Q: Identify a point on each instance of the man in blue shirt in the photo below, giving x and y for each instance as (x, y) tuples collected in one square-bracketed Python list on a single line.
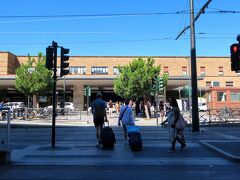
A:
[(99, 113), (1, 104), (126, 117)]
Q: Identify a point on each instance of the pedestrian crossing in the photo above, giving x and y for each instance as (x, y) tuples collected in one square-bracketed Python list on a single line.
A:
[(77, 147)]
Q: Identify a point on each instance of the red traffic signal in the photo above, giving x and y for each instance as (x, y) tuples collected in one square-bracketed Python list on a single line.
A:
[(235, 57)]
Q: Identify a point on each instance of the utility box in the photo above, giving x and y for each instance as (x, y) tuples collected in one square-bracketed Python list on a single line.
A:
[(5, 153)]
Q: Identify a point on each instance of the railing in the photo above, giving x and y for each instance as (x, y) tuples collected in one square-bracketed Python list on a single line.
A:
[(215, 116), (44, 114), (209, 117)]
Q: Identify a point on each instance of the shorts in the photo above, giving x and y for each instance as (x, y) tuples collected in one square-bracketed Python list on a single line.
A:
[(98, 121)]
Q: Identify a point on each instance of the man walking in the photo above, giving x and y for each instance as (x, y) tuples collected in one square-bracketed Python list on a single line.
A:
[(99, 113), (126, 117)]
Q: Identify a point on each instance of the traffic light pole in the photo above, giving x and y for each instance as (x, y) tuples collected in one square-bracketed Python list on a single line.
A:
[(195, 114), (55, 46)]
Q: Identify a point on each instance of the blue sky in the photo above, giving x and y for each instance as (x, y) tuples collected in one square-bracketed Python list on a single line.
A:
[(150, 35)]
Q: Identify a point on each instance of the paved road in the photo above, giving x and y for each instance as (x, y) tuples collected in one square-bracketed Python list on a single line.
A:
[(76, 156)]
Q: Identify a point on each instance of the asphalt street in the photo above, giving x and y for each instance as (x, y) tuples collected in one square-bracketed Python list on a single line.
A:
[(77, 157)]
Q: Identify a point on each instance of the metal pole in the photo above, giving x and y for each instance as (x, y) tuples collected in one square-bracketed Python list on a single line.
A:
[(156, 107), (87, 99), (64, 89), (189, 83), (179, 93), (8, 130), (195, 115), (54, 44)]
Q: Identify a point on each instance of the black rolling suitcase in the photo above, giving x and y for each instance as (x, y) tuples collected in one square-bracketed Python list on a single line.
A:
[(135, 141), (107, 138)]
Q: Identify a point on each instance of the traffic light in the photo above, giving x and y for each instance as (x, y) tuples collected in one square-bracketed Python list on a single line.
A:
[(85, 91), (64, 63), (157, 84), (89, 91), (160, 84), (235, 57), (49, 58)]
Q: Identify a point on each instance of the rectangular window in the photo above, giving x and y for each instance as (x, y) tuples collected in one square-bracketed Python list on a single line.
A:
[(202, 71), (220, 71), (184, 71), (235, 97), (215, 84), (115, 71), (99, 70), (229, 83), (165, 69), (221, 96), (77, 70), (209, 97), (208, 83)]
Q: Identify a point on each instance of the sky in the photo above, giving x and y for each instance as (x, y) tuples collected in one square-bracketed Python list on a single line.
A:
[(117, 27)]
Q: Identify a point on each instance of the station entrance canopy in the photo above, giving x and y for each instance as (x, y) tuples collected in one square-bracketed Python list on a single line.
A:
[(7, 82)]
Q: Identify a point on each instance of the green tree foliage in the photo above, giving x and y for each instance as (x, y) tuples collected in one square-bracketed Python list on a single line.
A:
[(165, 79), (33, 78), (135, 79)]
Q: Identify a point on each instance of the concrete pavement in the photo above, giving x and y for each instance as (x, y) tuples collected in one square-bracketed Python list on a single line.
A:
[(77, 155)]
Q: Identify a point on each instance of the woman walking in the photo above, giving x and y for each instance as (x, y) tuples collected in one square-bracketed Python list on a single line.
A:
[(174, 133)]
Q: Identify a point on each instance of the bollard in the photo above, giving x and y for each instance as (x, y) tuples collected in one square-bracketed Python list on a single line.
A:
[(5, 153)]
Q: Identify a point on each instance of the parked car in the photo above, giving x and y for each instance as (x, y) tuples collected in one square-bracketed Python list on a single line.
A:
[(14, 105), (67, 105), (16, 109)]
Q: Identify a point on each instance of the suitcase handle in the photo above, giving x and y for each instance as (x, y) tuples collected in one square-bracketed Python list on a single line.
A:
[(107, 124)]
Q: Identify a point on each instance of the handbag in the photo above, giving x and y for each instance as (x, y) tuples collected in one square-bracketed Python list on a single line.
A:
[(181, 123)]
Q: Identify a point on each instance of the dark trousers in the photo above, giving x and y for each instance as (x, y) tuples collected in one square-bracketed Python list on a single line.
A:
[(180, 138)]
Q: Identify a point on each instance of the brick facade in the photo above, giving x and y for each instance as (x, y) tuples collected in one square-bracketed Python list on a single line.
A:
[(211, 69)]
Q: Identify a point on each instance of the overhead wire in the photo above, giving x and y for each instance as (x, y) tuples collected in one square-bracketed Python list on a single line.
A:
[(60, 17), (118, 41)]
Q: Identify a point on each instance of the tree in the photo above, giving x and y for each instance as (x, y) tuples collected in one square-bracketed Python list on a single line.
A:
[(135, 80), (33, 78), (165, 82)]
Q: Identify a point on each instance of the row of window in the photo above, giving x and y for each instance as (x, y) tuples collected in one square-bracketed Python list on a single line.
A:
[(94, 70), (202, 70), (217, 83), (221, 96), (104, 70)]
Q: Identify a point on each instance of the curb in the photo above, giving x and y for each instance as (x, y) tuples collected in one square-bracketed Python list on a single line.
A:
[(219, 151), (42, 125)]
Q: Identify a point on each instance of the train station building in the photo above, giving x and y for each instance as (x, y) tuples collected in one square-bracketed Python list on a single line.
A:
[(215, 78)]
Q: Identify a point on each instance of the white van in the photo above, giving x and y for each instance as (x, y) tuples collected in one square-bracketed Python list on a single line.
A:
[(202, 106)]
